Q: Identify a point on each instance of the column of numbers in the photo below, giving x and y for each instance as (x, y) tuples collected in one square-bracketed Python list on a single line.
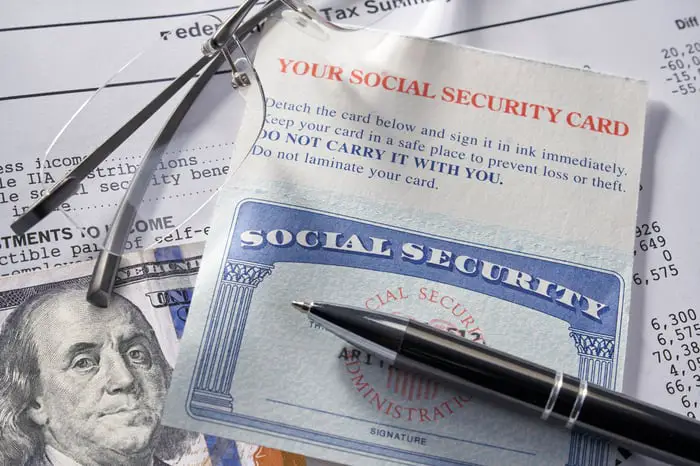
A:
[(678, 351), (681, 68), (651, 241)]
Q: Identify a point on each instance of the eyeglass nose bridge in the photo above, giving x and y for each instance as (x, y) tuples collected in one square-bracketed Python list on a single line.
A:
[(227, 29), (303, 12), (300, 14)]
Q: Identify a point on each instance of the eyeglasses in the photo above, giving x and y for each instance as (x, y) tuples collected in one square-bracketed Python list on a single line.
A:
[(195, 117)]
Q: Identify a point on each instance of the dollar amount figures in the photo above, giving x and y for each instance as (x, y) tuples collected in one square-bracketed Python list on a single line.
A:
[(658, 261), (681, 68), (677, 348)]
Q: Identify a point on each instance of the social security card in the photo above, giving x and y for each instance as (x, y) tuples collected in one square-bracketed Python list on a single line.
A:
[(490, 196)]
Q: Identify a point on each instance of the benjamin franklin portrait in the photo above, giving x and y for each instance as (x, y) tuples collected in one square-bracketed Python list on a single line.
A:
[(81, 385)]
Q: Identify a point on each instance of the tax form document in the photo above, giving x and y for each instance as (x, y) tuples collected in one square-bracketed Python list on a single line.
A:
[(658, 42), (437, 191), (68, 50)]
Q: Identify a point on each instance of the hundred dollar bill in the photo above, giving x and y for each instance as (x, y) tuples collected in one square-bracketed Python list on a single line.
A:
[(84, 386), (81, 385), (491, 196)]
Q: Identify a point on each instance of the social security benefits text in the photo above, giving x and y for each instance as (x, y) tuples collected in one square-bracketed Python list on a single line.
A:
[(479, 100), (419, 254)]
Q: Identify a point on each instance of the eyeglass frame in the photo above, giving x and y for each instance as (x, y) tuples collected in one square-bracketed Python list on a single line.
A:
[(215, 50)]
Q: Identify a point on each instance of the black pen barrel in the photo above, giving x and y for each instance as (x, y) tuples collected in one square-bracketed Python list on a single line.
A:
[(478, 369), (646, 429), (475, 367)]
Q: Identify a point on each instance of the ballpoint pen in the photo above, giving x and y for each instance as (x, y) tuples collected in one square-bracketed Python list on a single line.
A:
[(465, 365)]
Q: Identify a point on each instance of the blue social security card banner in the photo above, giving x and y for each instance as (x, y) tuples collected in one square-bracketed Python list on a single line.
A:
[(488, 195)]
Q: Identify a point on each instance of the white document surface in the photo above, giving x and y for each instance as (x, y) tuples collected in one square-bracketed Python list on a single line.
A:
[(657, 41), (420, 190), (52, 49)]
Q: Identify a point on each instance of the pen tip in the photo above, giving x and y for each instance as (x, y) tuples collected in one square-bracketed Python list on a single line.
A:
[(302, 306)]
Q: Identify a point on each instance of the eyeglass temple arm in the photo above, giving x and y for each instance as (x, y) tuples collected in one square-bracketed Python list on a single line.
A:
[(66, 187), (107, 264), (105, 270)]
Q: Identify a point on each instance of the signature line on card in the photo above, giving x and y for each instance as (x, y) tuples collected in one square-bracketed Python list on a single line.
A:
[(498, 447)]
